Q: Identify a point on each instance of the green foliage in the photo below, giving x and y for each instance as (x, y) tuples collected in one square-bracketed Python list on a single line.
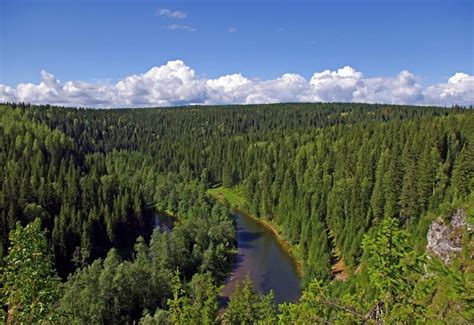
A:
[(388, 260), (117, 291), (394, 285), (30, 287), (229, 196), (248, 307), (311, 308), (326, 174), (197, 306), (448, 294), (179, 306), (91, 173), (393, 271), (114, 291)]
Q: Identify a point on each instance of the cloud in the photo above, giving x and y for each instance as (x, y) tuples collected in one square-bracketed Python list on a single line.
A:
[(171, 13), (283, 89), (179, 27), (236, 89), (175, 83), (337, 85), (232, 29), (229, 89), (170, 84), (402, 89), (458, 90)]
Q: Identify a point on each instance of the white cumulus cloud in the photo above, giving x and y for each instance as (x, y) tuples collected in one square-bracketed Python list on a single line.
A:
[(458, 90), (172, 84), (229, 89), (401, 89), (337, 85), (175, 83)]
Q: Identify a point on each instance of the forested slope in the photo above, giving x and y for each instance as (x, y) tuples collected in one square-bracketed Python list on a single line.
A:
[(328, 187), (328, 174)]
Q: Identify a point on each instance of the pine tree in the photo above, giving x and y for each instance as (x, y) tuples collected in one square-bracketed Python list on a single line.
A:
[(409, 193), (378, 195), (463, 172), (392, 185)]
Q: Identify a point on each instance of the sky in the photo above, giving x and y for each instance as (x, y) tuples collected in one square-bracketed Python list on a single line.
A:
[(141, 53)]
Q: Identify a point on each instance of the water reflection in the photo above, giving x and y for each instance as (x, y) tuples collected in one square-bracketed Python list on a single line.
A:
[(264, 260), (245, 238), (163, 221)]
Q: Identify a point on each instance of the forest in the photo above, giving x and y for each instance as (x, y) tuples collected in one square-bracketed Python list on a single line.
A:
[(354, 184)]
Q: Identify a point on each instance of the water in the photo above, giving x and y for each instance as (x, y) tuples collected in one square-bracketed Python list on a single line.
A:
[(260, 256), (266, 262), (164, 221)]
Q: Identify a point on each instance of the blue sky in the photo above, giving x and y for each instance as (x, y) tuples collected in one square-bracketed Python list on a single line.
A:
[(93, 41)]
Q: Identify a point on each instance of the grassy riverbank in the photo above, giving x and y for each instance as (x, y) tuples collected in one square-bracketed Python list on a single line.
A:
[(238, 203), (229, 196)]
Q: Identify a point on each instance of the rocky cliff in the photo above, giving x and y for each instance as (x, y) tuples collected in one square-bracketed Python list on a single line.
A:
[(445, 240)]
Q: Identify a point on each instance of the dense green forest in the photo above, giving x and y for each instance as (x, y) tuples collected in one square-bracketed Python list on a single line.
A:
[(356, 184)]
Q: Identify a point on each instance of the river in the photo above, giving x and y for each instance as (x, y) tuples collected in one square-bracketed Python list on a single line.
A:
[(261, 256), (164, 221)]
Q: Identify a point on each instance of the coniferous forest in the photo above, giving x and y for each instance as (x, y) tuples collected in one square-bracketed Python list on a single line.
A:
[(353, 185)]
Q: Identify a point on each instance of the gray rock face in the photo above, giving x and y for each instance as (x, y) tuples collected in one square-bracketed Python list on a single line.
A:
[(444, 241)]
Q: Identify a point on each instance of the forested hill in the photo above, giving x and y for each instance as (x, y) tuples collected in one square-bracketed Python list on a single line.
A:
[(327, 174)]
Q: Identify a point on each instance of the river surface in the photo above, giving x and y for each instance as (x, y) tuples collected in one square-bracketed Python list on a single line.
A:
[(263, 258), (259, 255), (163, 221)]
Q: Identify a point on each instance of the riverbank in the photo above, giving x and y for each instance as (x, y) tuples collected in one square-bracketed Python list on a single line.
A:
[(238, 204)]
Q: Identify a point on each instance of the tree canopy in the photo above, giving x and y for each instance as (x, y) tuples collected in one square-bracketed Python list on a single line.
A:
[(357, 184)]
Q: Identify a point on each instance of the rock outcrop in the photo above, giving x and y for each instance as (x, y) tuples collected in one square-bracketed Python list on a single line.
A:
[(444, 240)]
